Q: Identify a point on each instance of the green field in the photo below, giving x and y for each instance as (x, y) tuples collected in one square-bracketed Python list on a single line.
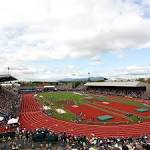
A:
[(58, 100)]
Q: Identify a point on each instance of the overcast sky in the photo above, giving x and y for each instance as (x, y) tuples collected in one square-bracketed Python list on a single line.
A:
[(55, 39)]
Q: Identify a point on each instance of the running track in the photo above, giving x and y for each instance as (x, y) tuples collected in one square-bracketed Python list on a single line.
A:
[(32, 117)]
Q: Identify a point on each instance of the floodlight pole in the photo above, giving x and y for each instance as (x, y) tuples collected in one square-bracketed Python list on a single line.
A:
[(8, 70), (88, 76)]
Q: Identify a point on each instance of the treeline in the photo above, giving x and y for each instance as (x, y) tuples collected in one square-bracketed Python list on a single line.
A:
[(39, 83), (36, 83), (144, 80)]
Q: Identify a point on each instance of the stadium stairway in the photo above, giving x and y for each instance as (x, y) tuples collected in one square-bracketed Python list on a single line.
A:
[(32, 117)]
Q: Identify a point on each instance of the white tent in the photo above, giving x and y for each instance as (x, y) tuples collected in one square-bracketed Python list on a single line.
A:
[(13, 120), (1, 118)]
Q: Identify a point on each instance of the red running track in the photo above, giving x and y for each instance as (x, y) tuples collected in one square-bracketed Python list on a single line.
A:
[(32, 117), (125, 108), (91, 113)]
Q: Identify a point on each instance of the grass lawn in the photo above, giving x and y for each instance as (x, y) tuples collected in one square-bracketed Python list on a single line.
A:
[(63, 96), (57, 100), (134, 118)]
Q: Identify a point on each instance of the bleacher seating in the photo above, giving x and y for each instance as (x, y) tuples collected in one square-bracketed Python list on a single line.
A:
[(9, 101)]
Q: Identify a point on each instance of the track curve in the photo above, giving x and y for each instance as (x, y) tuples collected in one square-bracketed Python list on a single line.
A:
[(32, 117)]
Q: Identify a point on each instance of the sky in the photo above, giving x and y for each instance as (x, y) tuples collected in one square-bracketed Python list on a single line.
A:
[(49, 40)]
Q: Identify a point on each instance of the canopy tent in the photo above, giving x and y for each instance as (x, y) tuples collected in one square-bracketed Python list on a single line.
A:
[(1, 118), (142, 110), (46, 108), (104, 118), (13, 120)]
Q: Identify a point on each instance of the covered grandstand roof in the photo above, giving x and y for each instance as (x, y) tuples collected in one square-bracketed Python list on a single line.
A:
[(5, 78), (117, 84)]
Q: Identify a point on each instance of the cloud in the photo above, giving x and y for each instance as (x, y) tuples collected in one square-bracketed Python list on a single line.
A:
[(132, 71), (95, 61), (43, 72), (35, 30)]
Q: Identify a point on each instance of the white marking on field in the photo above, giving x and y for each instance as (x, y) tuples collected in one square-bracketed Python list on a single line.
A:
[(89, 97), (77, 93), (41, 96), (106, 103), (60, 111), (75, 106)]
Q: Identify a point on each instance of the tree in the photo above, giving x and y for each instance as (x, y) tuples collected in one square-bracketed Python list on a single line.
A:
[(148, 81), (141, 80)]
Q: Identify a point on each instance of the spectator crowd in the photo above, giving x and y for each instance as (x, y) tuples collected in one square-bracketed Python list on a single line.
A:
[(48, 140), (9, 103)]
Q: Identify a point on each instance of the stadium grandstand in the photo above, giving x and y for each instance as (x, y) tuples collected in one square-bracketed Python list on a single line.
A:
[(9, 103), (64, 86), (132, 89), (26, 125)]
